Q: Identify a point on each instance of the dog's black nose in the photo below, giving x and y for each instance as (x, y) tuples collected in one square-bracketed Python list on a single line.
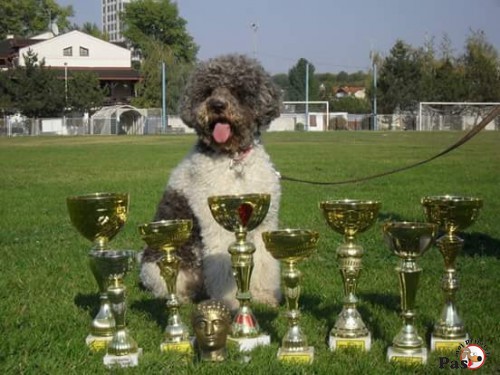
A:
[(217, 105)]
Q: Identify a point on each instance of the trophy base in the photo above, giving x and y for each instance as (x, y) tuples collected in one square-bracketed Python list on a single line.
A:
[(305, 356), (185, 347), (412, 357), (128, 360), (361, 343), (247, 344), (439, 344), (98, 343)]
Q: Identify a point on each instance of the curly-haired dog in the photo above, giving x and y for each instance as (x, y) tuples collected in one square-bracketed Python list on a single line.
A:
[(227, 101)]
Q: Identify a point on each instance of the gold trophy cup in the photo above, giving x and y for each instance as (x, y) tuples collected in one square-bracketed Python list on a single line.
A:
[(166, 236), (291, 246), (350, 217), (122, 350), (452, 214), (409, 241), (241, 214), (99, 217)]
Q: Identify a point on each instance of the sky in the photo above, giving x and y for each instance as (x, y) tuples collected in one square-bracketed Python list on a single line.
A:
[(333, 35)]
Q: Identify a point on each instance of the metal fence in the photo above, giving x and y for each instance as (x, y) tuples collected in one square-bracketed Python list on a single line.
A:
[(150, 122)]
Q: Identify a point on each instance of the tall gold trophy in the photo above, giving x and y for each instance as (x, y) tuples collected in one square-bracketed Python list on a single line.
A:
[(241, 214), (452, 214), (122, 350), (291, 246), (99, 217), (350, 217), (409, 241), (167, 236)]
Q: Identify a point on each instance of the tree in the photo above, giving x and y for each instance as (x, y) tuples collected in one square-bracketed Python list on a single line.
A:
[(342, 77), (350, 104), (357, 78), (398, 87), (149, 90), (281, 80), (84, 92), (297, 81), (449, 82), (149, 21), (28, 17), (7, 90), (156, 30), (482, 69), (425, 59), (37, 92)]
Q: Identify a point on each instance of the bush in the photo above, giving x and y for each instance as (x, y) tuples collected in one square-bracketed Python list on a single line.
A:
[(299, 127)]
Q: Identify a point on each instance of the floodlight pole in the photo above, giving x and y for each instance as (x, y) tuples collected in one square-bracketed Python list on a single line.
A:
[(307, 97), (375, 124), (255, 27), (65, 93), (163, 99)]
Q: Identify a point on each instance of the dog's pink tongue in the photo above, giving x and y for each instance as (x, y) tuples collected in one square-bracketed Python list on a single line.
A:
[(221, 132)]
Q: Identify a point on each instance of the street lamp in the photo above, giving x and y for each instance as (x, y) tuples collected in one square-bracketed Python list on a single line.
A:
[(66, 83)]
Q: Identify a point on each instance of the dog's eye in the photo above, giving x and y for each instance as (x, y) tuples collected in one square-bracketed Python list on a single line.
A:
[(207, 93), (242, 95)]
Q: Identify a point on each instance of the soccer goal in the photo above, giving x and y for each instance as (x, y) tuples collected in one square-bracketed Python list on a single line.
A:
[(454, 115), (307, 115)]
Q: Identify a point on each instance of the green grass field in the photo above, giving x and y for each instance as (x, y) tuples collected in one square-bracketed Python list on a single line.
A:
[(48, 295)]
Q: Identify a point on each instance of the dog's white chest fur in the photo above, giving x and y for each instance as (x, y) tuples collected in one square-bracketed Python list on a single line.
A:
[(199, 176)]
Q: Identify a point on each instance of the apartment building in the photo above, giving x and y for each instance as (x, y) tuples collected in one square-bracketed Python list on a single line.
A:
[(111, 22)]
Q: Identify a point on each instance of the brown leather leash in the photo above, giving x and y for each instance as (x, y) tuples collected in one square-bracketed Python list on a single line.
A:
[(469, 135)]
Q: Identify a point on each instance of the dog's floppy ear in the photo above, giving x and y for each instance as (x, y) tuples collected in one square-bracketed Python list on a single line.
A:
[(270, 102), (185, 104)]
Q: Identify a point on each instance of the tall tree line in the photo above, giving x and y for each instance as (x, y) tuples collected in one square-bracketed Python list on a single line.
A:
[(411, 75), (407, 75)]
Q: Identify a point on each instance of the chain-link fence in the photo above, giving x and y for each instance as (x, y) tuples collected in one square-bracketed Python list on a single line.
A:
[(150, 122)]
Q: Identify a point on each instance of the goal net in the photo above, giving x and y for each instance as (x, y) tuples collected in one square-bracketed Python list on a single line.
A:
[(454, 115), (308, 116)]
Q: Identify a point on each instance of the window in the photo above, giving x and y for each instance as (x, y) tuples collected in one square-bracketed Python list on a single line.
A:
[(312, 121), (84, 51), (68, 51)]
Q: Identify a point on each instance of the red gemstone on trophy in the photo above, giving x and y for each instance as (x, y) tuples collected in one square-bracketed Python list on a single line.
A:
[(245, 320), (245, 212)]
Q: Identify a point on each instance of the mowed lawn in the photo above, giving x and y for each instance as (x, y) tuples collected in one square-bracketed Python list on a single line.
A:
[(48, 295)]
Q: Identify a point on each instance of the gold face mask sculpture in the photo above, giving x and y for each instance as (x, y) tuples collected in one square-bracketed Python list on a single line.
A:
[(211, 323)]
